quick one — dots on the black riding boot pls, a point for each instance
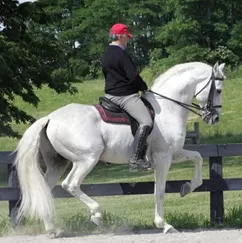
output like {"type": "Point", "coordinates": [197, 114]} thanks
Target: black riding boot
{"type": "Point", "coordinates": [139, 149]}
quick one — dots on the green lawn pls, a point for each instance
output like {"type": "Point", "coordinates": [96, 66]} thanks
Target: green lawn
{"type": "Point", "coordinates": [138, 211]}
{"type": "Point", "coordinates": [229, 129]}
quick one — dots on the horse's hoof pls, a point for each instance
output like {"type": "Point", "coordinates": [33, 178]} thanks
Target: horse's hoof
{"type": "Point", "coordinates": [169, 229]}
{"type": "Point", "coordinates": [97, 220]}
{"type": "Point", "coordinates": [185, 189]}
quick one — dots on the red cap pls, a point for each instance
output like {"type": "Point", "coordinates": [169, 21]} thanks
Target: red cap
{"type": "Point", "coordinates": [120, 29]}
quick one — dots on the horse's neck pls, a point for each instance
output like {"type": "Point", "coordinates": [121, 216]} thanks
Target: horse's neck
{"type": "Point", "coordinates": [179, 90]}
{"type": "Point", "coordinates": [180, 86]}
{"type": "Point", "coordinates": [183, 93]}
{"type": "Point", "coordinates": [179, 83]}
{"type": "Point", "coordinates": [164, 108]}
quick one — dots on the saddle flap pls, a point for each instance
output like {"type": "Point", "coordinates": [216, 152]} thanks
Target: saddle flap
{"type": "Point", "coordinates": [109, 105]}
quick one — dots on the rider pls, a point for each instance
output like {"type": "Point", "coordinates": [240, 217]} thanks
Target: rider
{"type": "Point", "coordinates": [122, 84]}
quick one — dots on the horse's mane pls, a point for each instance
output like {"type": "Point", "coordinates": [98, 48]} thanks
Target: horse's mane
{"type": "Point", "coordinates": [176, 71]}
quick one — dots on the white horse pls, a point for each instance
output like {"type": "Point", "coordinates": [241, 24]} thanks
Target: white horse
{"type": "Point", "coordinates": [76, 133]}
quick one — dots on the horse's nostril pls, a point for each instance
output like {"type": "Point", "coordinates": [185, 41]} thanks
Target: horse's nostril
{"type": "Point", "coordinates": [216, 119]}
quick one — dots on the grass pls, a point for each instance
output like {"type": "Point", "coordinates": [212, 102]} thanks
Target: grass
{"type": "Point", "coordinates": [88, 93]}
{"type": "Point", "coordinates": [229, 129]}
{"type": "Point", "coordinates": [135, 212]}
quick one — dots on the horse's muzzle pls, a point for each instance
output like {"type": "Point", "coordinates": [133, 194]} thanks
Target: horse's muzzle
{"type": "Point", "coordinates": [211, 117]}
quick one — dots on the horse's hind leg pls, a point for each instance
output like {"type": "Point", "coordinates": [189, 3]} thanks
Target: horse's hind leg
{"type": "Point", "coordinates": [83, 148]}
{"type": "Point", "coordinates": [74, 179]}
{"type": "Point", "coordinates": [55, 165]}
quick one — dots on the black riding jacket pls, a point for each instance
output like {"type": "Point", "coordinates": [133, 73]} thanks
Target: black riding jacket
{"type": "Point", "coordinates": [120, 72]}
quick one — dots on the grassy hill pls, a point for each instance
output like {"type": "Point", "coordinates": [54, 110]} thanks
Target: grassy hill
{"type": "Point", "coordinates": [88, 93]}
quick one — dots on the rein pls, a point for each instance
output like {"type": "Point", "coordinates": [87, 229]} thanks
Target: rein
{"type": "Point", "coordinates": [193, 106]}
{"type": "Point", "coordinates": [186, 106]}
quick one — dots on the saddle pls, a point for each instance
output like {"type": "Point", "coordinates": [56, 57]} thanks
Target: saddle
{"type": "Point", "coordinates": [112, 113]}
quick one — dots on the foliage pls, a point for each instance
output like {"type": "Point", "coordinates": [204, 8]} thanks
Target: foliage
{"type": "Point", "coordinates": [29, 56]}
{"type": "Point", "coordinates": [62, 41]}
{"type": "Point", "coordinates": [207, 31]}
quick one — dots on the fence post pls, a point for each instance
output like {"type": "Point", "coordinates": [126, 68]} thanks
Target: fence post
{"type": "Point", "coordinates": [14, 183]}
{"type": "Point", "coordinates": [216, 197]}
{"type": "Point", "coordinates": [196, 129]}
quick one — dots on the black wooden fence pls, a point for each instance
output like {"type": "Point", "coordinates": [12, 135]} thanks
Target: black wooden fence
{"type": "Point", "coordinates": [216, 184]}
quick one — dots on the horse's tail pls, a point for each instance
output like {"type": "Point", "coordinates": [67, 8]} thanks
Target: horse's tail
{"type": "Point", "coordinates": [36, 197]}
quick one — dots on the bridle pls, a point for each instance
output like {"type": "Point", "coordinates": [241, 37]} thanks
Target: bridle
{"type": "Point", "coordinates": [211, 92]}
{"type": "Point", "coordinates": [209, 108]}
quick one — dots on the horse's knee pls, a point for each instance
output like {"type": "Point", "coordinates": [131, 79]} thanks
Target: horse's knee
{"type": "Point", "coordinates": [197, 157]}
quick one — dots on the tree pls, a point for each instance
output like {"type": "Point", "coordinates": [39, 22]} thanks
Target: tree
{"type": "Point", "coordinates": [64, 21]}
{"type": "Point", "coordinates": [30, 56]}
{"type": "Point", "coordinates": [201, 30]}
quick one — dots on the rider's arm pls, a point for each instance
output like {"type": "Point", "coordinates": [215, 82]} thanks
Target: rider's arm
{"type": "Point", "coordinates": [132, 73]}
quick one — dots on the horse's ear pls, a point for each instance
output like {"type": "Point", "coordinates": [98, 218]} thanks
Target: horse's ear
{"type": "Point", "coordinates": [215, 67]}
{"type": "Point", "coordinates": [221, 66]}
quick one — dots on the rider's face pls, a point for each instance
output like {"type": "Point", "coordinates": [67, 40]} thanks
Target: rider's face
{"type": "Point", "coordinates": [124, 39]}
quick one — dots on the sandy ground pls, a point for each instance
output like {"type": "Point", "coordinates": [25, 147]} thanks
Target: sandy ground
{"type": "Point", "coordinates": [210, 236]}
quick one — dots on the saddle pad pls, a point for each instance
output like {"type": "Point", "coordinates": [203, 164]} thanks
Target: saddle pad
{"type": "Point", "coordinates": [113, 117]}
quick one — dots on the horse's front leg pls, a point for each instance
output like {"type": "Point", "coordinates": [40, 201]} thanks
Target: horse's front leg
{"type": "Point", "coordinates": [196, 181]}
{"type": "Point", "coordinates": [162, 165]}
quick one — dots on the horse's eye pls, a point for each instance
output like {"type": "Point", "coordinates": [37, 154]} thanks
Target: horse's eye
{"type": "Point", "coordinates": [219, 91]}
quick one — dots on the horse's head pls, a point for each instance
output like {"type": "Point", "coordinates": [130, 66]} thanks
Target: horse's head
{"type": "Point", "coordinates": [209, 95]}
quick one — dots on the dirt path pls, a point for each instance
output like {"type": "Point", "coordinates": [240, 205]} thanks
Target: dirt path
{"type": "Point", "coordinates": [215, 236]}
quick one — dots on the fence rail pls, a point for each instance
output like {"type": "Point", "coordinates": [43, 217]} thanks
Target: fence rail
{"type": "Point", "coordinates": [216, 184]}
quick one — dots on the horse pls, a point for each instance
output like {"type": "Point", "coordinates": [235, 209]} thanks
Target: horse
{"type": "Point", "coordinates": [77, 134]}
